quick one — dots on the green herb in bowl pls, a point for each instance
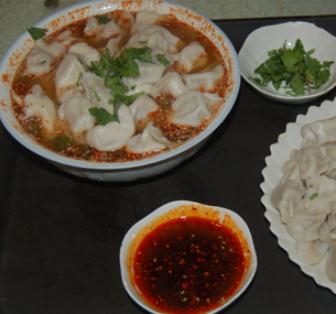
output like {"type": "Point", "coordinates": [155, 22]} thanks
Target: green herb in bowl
{"type": "Point", "coordinates": [293, 69]}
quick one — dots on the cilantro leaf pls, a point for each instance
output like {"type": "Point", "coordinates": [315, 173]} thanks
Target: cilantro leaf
{"type": "Point", "coordinates": [313, 196]}
{"type": "Point", "coordinates": [129, 99]}
{"type": "Point", "coordinates": [294, 69]}
{"type": "Point", "coordinates": [162, 59]}
{"type": "Point", "coordinates": [103, 19]}
{"type": "Point", "coordinates": [102, 116]}
{"type": "Point", "coordinates": [36, 32]}
{"type": "Point", "coordinates": [61, 143]}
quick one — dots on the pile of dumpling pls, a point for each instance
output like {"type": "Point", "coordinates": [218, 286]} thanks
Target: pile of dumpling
{"type": "Point", "coordinates": [306, 195]}
{"type": "Point", "coordinates": [78, 89]}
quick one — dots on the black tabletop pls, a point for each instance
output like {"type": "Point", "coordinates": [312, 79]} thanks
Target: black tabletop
{"type": "Point", "coordinates": [60, 235]}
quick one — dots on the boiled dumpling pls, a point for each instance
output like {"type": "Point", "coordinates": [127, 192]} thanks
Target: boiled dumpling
{"type": "Point", "coordinates": [155, 37]}
{"type": "Point", "coordinates": [142, 106]}
{"type": "Point", "coordinates": [40, 105]}
{"type": "Point", "coordinates": [311, 162]}
{"type": "Point", "coordinates": [109, 30]}
{"type": "Point", "coordinates": [75, 110]}
{"type": "Point", "coordinates": [148, 74]}
{"type": "Point", "coordinates": [192, 107]}
{"type": "Point", "coordinates": [113, 135]}
{"type": "Point", "coordinates": [189, 55]}
{"type": "Point", "coordinates": [39, 61]}
{"type": "Point", "coordinates": [85, 53]}
{"type": "Point", "coordinates": [96, 92]}
{"type": "Point", "coordinates": [92, 27]}
{"type": "Point", "coordinates": [312, 252]}
{"type": "Point", "coordinates": [319, 132]}
{"type": "Point", "coordinates": [146, 17]}
{"type": "Point", "coordinates": [206, 80]}
{"type": "Point", "coordinates": [113, 45]}
{"type": "Point", "coordinates": [150, 140]}
{"type": "Point", "coordinates": [68, 76]}
{"type": "Point", "coordinates": [331, 263]}
{"type": "Point", "coordinates": [287, 198]}
{"type": "Point", "coordinates": [125, 19]}
{"type": "Point", "coordinates": [171, 83]}
{"type": "Point", "coordinates": [55, 49]}
{"type": "Point", "coordinates": [65, 38]}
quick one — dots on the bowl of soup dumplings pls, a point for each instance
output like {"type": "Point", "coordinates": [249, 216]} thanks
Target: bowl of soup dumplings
{"type": "Point", "coordinates": [118, 90]}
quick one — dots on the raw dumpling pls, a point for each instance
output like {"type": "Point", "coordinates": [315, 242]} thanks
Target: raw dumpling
{"type": "Point", "coordinates": [113, 135]}
{"type": "Point", "coordinates": [40, 105]}
{"type": "Point", "coordinates": [142, 106]}
{"type": "Point", "coordinates": [192, 107]}
{"type": "Point", "coordinates": [204, 81]}
{"type": "Point", "coordinates": [319, 132]}
{"type": "Point", "coordinates": [189, 55]}
{"type": "Point", "coordinates": [75, 110]}
{"type": "Point", "coordinates": [96, 92]}
{"type": "Point", "coordinates": [39, 61]}
{"type": "Point", "coordinates": [155, 37]}
{"type": "Point", "coordinates": [150, 140]}
{"type": "Point", "coordinates": [68, 76]}
{"type": "Point", "coordinates": [171, 83]}
{"type": "Point", "coordinates": [85, 53]}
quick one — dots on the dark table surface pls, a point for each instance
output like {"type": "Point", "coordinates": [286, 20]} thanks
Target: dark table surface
{"type": "Point", "coordinates": [60, 235]}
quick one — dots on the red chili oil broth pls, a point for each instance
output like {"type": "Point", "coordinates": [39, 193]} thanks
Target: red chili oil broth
{"type": "Point", "coordinates": [189, 265]}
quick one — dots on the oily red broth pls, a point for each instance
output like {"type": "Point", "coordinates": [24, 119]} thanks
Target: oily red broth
{"type": "Point", "coordinates": [189, 265]}
{"type": "Point", "coordinates": [63, 141]}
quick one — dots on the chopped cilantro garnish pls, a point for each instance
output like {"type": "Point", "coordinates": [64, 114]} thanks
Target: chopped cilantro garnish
{"type": "Point", "coordinates": [293, 68]}
{"type": "Point", "coordinates": [103, 19]}
{"type": "Point", "coordinates": [129, 99]}
{"type": "Point", "coordinates": [313, 196]}
{"type": "Point", "coordinates": [61, 143]}
{"type": "Point", "coordinates": [162, 59]}
{"type": "Point", "coordinates": [102, 115]}
{"type": "Point", "coordinates": [113, 70]}
{"type": "Point", "coordinates": [36, 32]}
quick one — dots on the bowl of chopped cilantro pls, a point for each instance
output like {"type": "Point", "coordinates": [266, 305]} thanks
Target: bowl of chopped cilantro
{"type": "Point", "coordinates": [291, 62]}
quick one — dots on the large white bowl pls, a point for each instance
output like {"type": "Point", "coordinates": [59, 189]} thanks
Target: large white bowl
{"type": "Point", "coordinates": [116, 171]}
{"type": "Point", "coordinates": [175, 210]}
{"type": "Point", "coordinates": [262, 40]}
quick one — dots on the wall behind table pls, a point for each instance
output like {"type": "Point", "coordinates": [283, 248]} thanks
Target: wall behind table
{"type": "Point", "coordinates": [17, 15]}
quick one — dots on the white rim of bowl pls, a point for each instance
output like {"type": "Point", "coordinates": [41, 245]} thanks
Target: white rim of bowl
{"type": "Point", "coordinates": [29, 143]}
{"type": "Point", "coordinates": [280, 96]}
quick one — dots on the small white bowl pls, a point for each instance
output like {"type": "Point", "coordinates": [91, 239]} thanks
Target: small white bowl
{"type": "Point", "coordinates": [179, 209]}
{"type": "Point", "coordinates": [262, 40]}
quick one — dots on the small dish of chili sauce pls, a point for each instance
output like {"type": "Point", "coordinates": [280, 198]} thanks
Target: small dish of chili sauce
{"type": "Point", "coordinates": [189, 259]}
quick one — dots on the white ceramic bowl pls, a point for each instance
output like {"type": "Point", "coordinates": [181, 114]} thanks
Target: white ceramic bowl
{"type": "Point", "coordinates": [175, 210]}
{"type": "Point", "coordinates": [116, 171]}
{"type": "Point", "coordinates": [262, 40]}
{"type": "Point", "coordinates": [280, 152]}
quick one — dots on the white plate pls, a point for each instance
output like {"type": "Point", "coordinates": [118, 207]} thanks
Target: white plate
{"type": "Point", "coordinates": [272, 174]}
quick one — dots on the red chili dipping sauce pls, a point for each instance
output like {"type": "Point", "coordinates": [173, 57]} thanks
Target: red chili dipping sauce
{"type": "Point", "coordinates": [189, 265]}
